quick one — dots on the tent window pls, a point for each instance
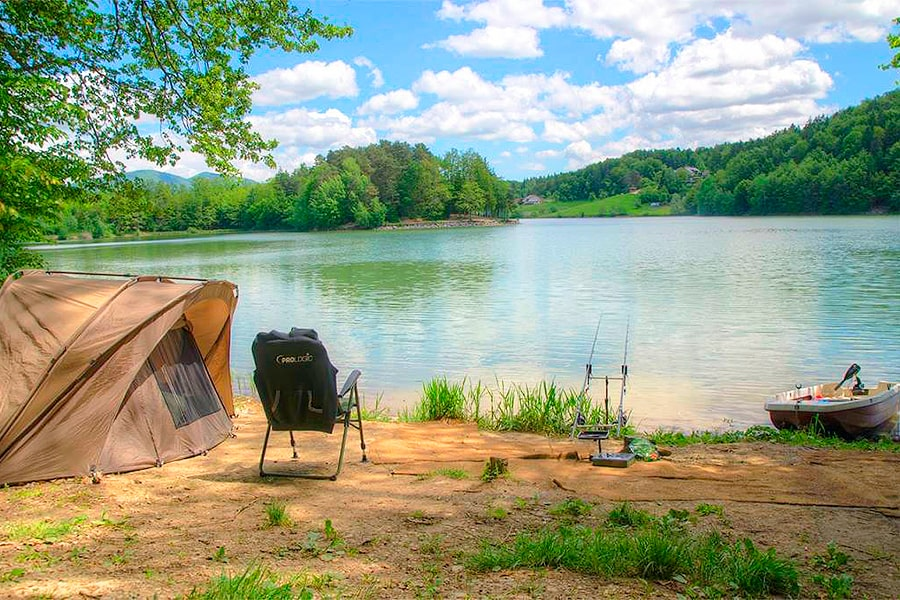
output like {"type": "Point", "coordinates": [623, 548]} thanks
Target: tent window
{"type": "Point", "coordinates": [183, 379]}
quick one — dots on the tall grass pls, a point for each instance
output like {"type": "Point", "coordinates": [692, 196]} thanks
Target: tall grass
{"type": "Point", "coordinates": [812, 436]}
{"type": "Point", "coordinates": [545, 408]}
{"type": "Point", "coordinates": [255, 583]}
{"type": "Point", "coordinates": [648, 547]}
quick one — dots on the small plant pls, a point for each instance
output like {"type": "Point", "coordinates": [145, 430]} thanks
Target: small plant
{"type": "Point", "coordinates": [497, 513]}
{"type": "Point", "coordinates": [572, 507]}
{"type": "Point", "coordinates": [432, 545]}
{"type": "Point", "coordinates": [12, 575]}
{"type": "Point", "coordinates": [120, 558]}
{"type": "Point", "coordinates": [837, 587]}
{"type": "Point", "coordinates": [276, 514]}
{"type": "Point", "coordinates": [76, 554]}
{"type": "Point", "coordinates": [219, 555]}
{"type": "Point", "coordinates": [255, 582]}
{"type": "Point", "coordinates": [451, 473]}
{"type": "Point", "coordinates": [624, 515]}
{"type": "Point", "coordinates": [106, 521]}
{"type": "Point", "coordinates": [149, 573]}
{"type": "Point", "coordinates": [33, 555]}
{"type": "Point", "coordinates": [494, 468]}
{"type": "Point", "coordinates": [703, 509]}
{"type": "Point", "coordinates": [832, 560]}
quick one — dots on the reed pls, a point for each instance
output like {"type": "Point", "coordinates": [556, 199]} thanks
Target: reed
{"type": "Point", "coordinates": [545, 408]}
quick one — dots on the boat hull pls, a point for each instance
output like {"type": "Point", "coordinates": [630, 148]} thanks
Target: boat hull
{"type": "Point", "coordinates": [867, 414]}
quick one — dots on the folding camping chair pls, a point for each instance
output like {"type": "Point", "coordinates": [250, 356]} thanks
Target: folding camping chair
{"type": "Point", "coordinates": [298, 388]}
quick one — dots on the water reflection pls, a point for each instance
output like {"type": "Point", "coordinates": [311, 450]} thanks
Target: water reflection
{"type": "Point", "coordinates": [721, 312]}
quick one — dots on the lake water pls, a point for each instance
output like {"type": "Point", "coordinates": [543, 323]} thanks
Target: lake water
{"type": "Point", "coordinates": [720, 312]}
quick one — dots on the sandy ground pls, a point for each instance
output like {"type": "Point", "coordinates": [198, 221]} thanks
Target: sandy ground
{"type": "Point", "coordinates": [405, 531]}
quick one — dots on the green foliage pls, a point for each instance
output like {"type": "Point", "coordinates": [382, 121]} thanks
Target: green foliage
{"type": "Point", "coordinates": [625, 515]}
{"type": "Point", "coordinates": [759, 433]}
{"type": "Point", "coordinates": [494, 468]}
{"type": "Point", "coordinates": [837, 587]}
{"type": "Point", "coordinates": [450, 473]}
{"type": "Point", "coordinates": [544, 408]}
{"type": "Point", "coordinates": [12, 575]}
{"type": "Point", "coordinates": [255, 583]}
{"type": "Point", "coordinates": [78, 75]}
{"type": "Point", "coordinates": [842, 164]}
{"type": "Point", "coordinates": [440, 400]}
{"type": "Point", "coordinates": [44, 530]}
{"type": "Point", "coordinates": [276, 514]}
{"type": "Point", "coordinates": [572, 507]}
{"type": "Point", "coordinates": [832, 560]}
{"type": "Point", "coordinates": [649, 548]}
{"type": "Point", "coordinates": [705, 509]}
{"type": "Point", "coordinates": [893, 40]}
{"type": "Point", "coordinates": [219, 555]}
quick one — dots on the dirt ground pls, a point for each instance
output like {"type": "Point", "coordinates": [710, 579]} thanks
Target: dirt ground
{"type": "Point", "coordinates": [405, 531]}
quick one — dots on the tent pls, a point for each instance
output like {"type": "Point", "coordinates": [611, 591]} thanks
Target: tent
{"type": "Point", "coordinates": [111, 373]}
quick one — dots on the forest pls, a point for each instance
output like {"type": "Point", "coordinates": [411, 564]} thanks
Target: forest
{"type": "Point", "coordinates": [846, 163]}
{"type": "Point", "coordinates": [353, 187]}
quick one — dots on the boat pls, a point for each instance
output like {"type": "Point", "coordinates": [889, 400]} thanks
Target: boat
{"type": "Point", "coordinates": [850, 412]}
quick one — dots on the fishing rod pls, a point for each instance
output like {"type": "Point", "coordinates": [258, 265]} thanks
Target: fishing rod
{"type": "Point", "coordinates": [620, 418]}
{"type": "Point", "coordinates": [588, 373]}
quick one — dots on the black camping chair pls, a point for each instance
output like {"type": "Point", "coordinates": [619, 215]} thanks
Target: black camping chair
{"type": "Point", "coordinates": [298, 388]}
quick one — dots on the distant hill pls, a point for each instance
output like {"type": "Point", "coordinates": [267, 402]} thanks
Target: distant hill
{"type": "Point", "coordinates": [152, 176]}
{"type": "Point", "coordinates": [845, 163]}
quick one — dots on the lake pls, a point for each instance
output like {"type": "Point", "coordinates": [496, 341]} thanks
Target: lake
{"type": "Point", "coordinates": [720, 312]}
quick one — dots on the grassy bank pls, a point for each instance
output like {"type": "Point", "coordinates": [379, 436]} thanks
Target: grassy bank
{"type": "Point", "coordinates": [614, 206]}
{"type": "Point", "coordinates": [548, 409]}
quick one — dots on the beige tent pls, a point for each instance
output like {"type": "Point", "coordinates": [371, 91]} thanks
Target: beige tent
{"type": "Point", "coordinates": [111, 373]}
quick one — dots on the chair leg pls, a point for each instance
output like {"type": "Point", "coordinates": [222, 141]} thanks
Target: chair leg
{"type": "Point", "coordinates": [293, 445]}
{"type": "Point", "coordinates": [362, 439]}
{"type": "Point", "coordinates": [262, 457]}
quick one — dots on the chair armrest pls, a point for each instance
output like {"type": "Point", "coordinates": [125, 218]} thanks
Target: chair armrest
{"type": "Point", "coordinates": [352, 378]}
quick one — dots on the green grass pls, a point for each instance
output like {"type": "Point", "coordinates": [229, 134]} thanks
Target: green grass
{"type": "Point", "coordinates": [449, 473]}
{"type": "Point", "coordinates": [44, 530]}
{"type": "Point", "coordinates": [545, 408]}
{"type": "Point", "coordinates": [647, 547]}
{"type": "Point", "coordinates": [276, 514]}
{"type": "Point", "coordinates": [572, 508]}
{"type": "Point", "coordinates": [613, 206]}
{"type": "Point", "coordinates": [761, 433]}
{"type": "Point", "coordinates": [259, 583]}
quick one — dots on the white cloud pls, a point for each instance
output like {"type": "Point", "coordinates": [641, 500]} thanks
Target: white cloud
{"type": "Point", "coordinates": [581, 153]}
{"type": "Point", "coordinates": [374, 72]}
{"type": "Point", "coordinates": [444, 120]}
{"type": "Point", "coordinates": [505, 154]}
{"type": "Point", "coordinates": [389, 103]}
{"type": "Point", "coordinates": [637, 55]}
{"type": "Point", "coordinates": [533, 166]}
{"type": "Point", "coordinates": [494, 42]}
{"type": "Point", "coordinates": [318, 131]}
{"type": "Point", "coordinates": [305, 81]}
{"type": "Point", "coordinates": [506, 13]}
{"type": "Point", "coordinates": [548, 153]}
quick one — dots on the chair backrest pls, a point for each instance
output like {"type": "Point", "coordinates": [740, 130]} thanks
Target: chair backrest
{"type": "Point", "coordinates": [296, 381]}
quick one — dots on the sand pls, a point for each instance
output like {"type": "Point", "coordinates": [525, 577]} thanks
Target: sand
{"type": "Point", "coordinates": [405, 531]}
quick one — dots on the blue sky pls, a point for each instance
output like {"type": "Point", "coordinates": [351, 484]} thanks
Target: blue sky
{"type": "Point", "coordinates": [543, 86]}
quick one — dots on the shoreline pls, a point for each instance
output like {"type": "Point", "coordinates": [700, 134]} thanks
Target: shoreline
{"type": "Point", "coordinates": [447, 223]}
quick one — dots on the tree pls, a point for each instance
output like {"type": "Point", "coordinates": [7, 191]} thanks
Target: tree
{"type": "Point", "coordinates": [78, 74]}
{"type": "Point", "coordinates": [893, 40]}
